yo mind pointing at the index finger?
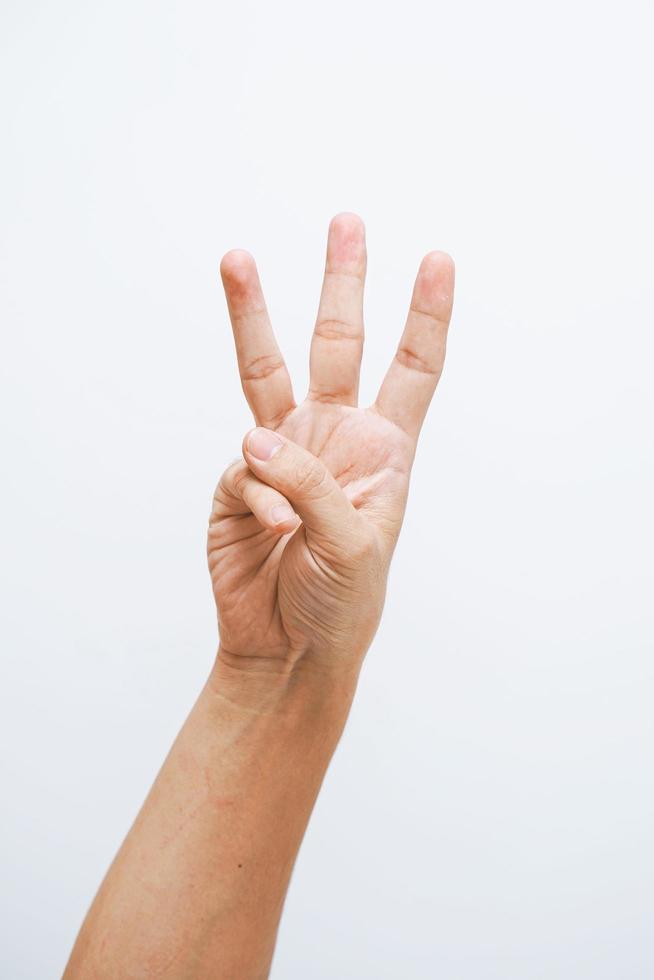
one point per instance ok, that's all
(264, 376)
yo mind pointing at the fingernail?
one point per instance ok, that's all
(263, 444)
(282, 514)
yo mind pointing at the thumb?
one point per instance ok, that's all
(328, 516)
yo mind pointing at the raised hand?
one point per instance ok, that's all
(300, 539)
(303, 530)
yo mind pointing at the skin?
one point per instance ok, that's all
(301, 535)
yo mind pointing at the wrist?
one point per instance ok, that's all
(298, 689)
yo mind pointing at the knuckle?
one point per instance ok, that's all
(232, 479)
(431, 364)
(239, 477)
(310, 478)
(262, 367)
(331, 328)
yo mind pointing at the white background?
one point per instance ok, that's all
(490, 810)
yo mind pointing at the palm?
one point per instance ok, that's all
(264, 580)
(358, 445)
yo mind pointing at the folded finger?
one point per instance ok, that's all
(330, 520)
(240, 493)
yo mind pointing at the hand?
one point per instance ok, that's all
(303, 530)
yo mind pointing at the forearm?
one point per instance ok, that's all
(198, 886)
(300, 538)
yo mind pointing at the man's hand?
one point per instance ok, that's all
(303, 530)
(300, 540)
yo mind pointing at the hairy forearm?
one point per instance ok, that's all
(198, 886)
